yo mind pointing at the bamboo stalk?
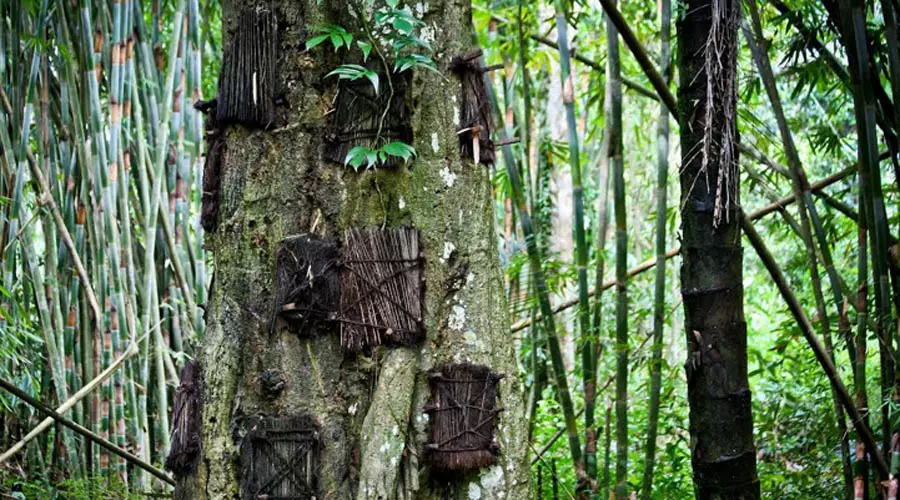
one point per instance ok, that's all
(806, 210)
(540, 283)
(589, 379)
(614, 132)
(818, 349)
(659, 296)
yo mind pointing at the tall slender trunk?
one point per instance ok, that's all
(589, 379)
(614, 130)
(659, 292)
(721, 422)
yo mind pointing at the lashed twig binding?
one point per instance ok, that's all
(247, 81)
(212, 166)
(279, 458)
(475, 116)
(308, 283)
(357, 118)
(186, 427)
(463, 414)
(382, 288)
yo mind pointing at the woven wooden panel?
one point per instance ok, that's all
(382, 288)
(475, 115)
(186, 425)
(463, 413)
(247, 80)
(279, 459)
(308, 284)
(359, 112)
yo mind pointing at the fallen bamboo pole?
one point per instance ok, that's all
(54, 415)
(72, 401)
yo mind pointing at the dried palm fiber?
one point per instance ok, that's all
(248, 79)
(463, 413)
(308, 283)
(279, 458)
(719, 129)
(475, 115)
(382, 288)
(362, 117)
(212, 166)
(186, 426)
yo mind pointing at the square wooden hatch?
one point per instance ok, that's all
(382, 288)
(279, 458)
(308, 285)
(362, 117)
(463, 412)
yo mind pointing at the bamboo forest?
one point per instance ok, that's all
(450, 249)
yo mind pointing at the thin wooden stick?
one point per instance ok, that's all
(54, 415)
(69, 403)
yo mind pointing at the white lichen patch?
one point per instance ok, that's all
(428, 34)
(435, 142)
(492, 480)
(470, 338)
(448, 251)
(457, 319)
(448, 176)
(474, 491)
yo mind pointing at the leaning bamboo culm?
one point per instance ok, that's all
(103, 147)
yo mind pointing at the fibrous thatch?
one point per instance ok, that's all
(362, 117)
(382, 288)
(463, 412)
(308, 283)
(212, 166)
(247, 81)
(186, 427)
(475, 135)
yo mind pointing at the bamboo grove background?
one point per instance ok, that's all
(103, 263)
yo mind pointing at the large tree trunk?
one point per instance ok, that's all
(723, 454)
(275, 184)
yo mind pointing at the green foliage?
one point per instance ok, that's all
(394, 26)
(360, 155)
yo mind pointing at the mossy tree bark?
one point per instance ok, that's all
(721, 423)
(276, 183)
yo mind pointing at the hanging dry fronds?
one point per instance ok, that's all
(212, 166)
(382, 288)
(248, 79)
(186, 425)
(308, 283)
(463, 413)
(357, 118)
(720, 132)
(279, 458)
(475, 115)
